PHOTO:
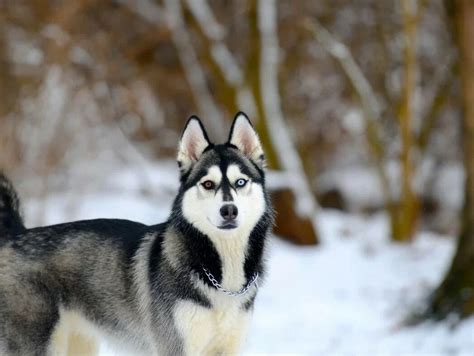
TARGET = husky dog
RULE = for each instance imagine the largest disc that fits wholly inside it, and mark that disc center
(183, 287)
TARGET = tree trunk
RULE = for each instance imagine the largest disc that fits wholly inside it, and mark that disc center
(456, 292)
(288, 224)
(405, 218)
(297, 206)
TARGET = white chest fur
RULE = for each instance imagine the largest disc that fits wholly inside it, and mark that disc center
(219, 330)
(232, 250)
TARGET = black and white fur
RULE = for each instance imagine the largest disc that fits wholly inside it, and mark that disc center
(143, 287)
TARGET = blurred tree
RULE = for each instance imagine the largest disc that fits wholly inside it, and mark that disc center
(69, 70)
(379, 103)
(455, 295)
(175, 59)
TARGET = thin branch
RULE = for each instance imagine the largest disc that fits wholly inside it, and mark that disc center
(215, 33)
(370, 105)
(222, 57)
(145, 9)
(280, 135)
(381, 32)
(206, 19)
(191, 66)
(172, 14)
(442, 81)
(343, 55)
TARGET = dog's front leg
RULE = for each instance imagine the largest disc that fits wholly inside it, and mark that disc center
(196, 326)
(230, 335)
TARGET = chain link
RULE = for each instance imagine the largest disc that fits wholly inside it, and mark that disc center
(216, 284)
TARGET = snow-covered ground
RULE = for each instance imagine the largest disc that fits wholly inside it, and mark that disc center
(348, 296)
(344, 297)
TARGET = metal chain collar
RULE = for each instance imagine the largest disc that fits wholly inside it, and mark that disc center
(216, 284)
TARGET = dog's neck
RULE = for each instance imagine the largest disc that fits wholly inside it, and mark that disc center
(232, 259)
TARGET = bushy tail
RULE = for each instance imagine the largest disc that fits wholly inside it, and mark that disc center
(10, 217)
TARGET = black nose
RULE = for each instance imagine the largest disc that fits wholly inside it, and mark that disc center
(229, 212)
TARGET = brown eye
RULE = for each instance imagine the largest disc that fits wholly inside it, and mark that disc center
(208, 185)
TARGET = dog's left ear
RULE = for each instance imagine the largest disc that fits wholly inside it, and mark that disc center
(245, 138)
(193, 142)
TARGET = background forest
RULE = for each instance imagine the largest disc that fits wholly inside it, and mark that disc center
(366, 112)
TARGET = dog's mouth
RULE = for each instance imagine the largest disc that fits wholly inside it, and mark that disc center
(228, 226)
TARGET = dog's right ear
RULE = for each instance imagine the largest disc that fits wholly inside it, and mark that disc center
(193, 142)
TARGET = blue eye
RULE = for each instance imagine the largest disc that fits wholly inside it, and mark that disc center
(241, 183)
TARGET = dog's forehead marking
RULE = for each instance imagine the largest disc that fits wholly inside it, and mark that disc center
(213, 173)
(220, 157)
(234, 172)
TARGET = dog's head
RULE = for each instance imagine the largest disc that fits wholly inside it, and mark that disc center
(222, 186)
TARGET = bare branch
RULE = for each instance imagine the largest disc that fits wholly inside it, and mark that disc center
(145, 9)
(370, 105)
(280, 135)
(221, 55)
(442, 80)
(342, 54)
(172, 15)
(192, 68)
(206, 19)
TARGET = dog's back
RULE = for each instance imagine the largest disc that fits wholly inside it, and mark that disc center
(47, 272)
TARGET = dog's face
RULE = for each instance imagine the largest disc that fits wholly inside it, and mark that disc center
(222, 185)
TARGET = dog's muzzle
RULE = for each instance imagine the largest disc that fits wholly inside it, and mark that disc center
(229, 213)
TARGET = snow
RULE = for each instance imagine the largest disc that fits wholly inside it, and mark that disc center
(345, 297)
(349, 296)
(360, 186)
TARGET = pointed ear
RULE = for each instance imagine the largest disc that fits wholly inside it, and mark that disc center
(245, 138)
(193, 142)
